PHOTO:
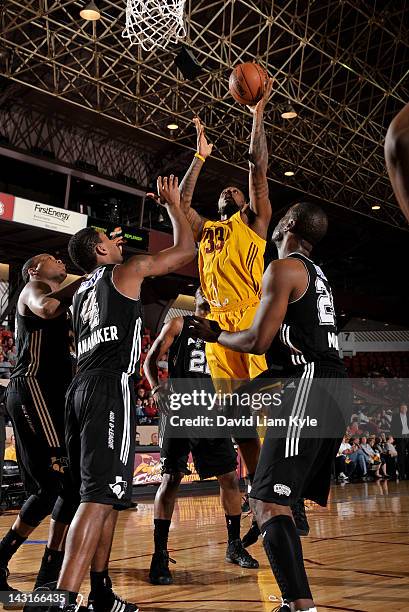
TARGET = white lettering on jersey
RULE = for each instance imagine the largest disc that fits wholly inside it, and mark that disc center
(90, 310)
(90, 282)
(320, 272)
(105, 334)
(325, 305)
(333, 340)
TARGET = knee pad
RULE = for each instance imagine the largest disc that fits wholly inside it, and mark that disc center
(37, 507)
(65, 509)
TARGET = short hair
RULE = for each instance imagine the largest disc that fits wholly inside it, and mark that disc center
(311, 222)
(30, 263)
(81, 248)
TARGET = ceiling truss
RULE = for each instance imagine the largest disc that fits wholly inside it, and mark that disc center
(343, 64)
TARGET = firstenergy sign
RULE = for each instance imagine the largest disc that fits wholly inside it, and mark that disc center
(48, 217)
(45, 216)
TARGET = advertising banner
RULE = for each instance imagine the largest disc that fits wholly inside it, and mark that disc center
(48, 217)
(134, 237)
(6, 206)
(147, 468)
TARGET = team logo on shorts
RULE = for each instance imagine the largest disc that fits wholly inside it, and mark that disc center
(59, 464)
(119, 487)
(281, 489)
(2, 208)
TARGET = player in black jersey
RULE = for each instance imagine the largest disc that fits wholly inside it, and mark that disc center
(211, 456)
(100, 408)
(35, 403)
(297, 311)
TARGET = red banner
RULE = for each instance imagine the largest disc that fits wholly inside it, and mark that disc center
(6, 206)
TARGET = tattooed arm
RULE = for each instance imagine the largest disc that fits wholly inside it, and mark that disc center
(189, 181)
(258, 163)
(128, 276)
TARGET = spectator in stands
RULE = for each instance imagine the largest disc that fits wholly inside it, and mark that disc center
(377, 457)
(10, 452)
(154, 439)
(5, 366)
(150, 410)
(10, 351)
(391, 456)
(357, 457)
(342, 466)
(372, 425)
(354, 429)
(400, 431)
(141, 394)
(140, 415)
(362, 417)
(372, 459)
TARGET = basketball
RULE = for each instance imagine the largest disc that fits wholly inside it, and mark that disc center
(246, 83)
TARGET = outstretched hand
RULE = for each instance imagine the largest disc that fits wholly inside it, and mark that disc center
(261, 104)
(168, 191)
(205, 329)
(203, 147)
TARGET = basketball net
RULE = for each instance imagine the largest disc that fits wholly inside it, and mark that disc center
(154, 23)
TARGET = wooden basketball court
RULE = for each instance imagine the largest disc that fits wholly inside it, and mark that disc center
(357, 556)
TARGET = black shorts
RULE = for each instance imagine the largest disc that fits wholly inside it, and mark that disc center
(294, 463)
(211, 456)
(36, 410)
(100, 436)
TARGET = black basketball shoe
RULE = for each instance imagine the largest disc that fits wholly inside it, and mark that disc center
(105, 600)
(5, 587)
(159, 572)
(237, 554)
(45, 588)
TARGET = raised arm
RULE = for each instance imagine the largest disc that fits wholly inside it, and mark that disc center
(397, 158)
(159, 349)
(37, 297)
(281, 279)
(66, 293)
(258, 164)
(129, 275)
(188, 184)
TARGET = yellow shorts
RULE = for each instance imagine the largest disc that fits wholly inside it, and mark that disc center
(225, 363)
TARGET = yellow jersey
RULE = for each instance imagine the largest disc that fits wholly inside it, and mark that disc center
(231, 263)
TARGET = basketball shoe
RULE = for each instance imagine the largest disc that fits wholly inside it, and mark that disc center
(159, 572)
(106, 600)
(237, 554)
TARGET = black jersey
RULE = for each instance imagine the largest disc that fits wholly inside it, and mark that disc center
(308, 332)
(43, 350)
(107, 325)
(187, 355)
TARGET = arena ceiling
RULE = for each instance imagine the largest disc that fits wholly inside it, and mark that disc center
(342, 64)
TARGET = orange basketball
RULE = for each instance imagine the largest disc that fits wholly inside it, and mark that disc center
(246, 83)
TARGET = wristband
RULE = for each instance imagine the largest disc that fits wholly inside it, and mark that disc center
(203, 159)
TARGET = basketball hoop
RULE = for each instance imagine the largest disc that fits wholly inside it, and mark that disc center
(154, 23)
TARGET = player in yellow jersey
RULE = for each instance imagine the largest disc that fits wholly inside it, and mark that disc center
(231, 257)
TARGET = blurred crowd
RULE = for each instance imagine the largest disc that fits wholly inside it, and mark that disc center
(8, 352)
